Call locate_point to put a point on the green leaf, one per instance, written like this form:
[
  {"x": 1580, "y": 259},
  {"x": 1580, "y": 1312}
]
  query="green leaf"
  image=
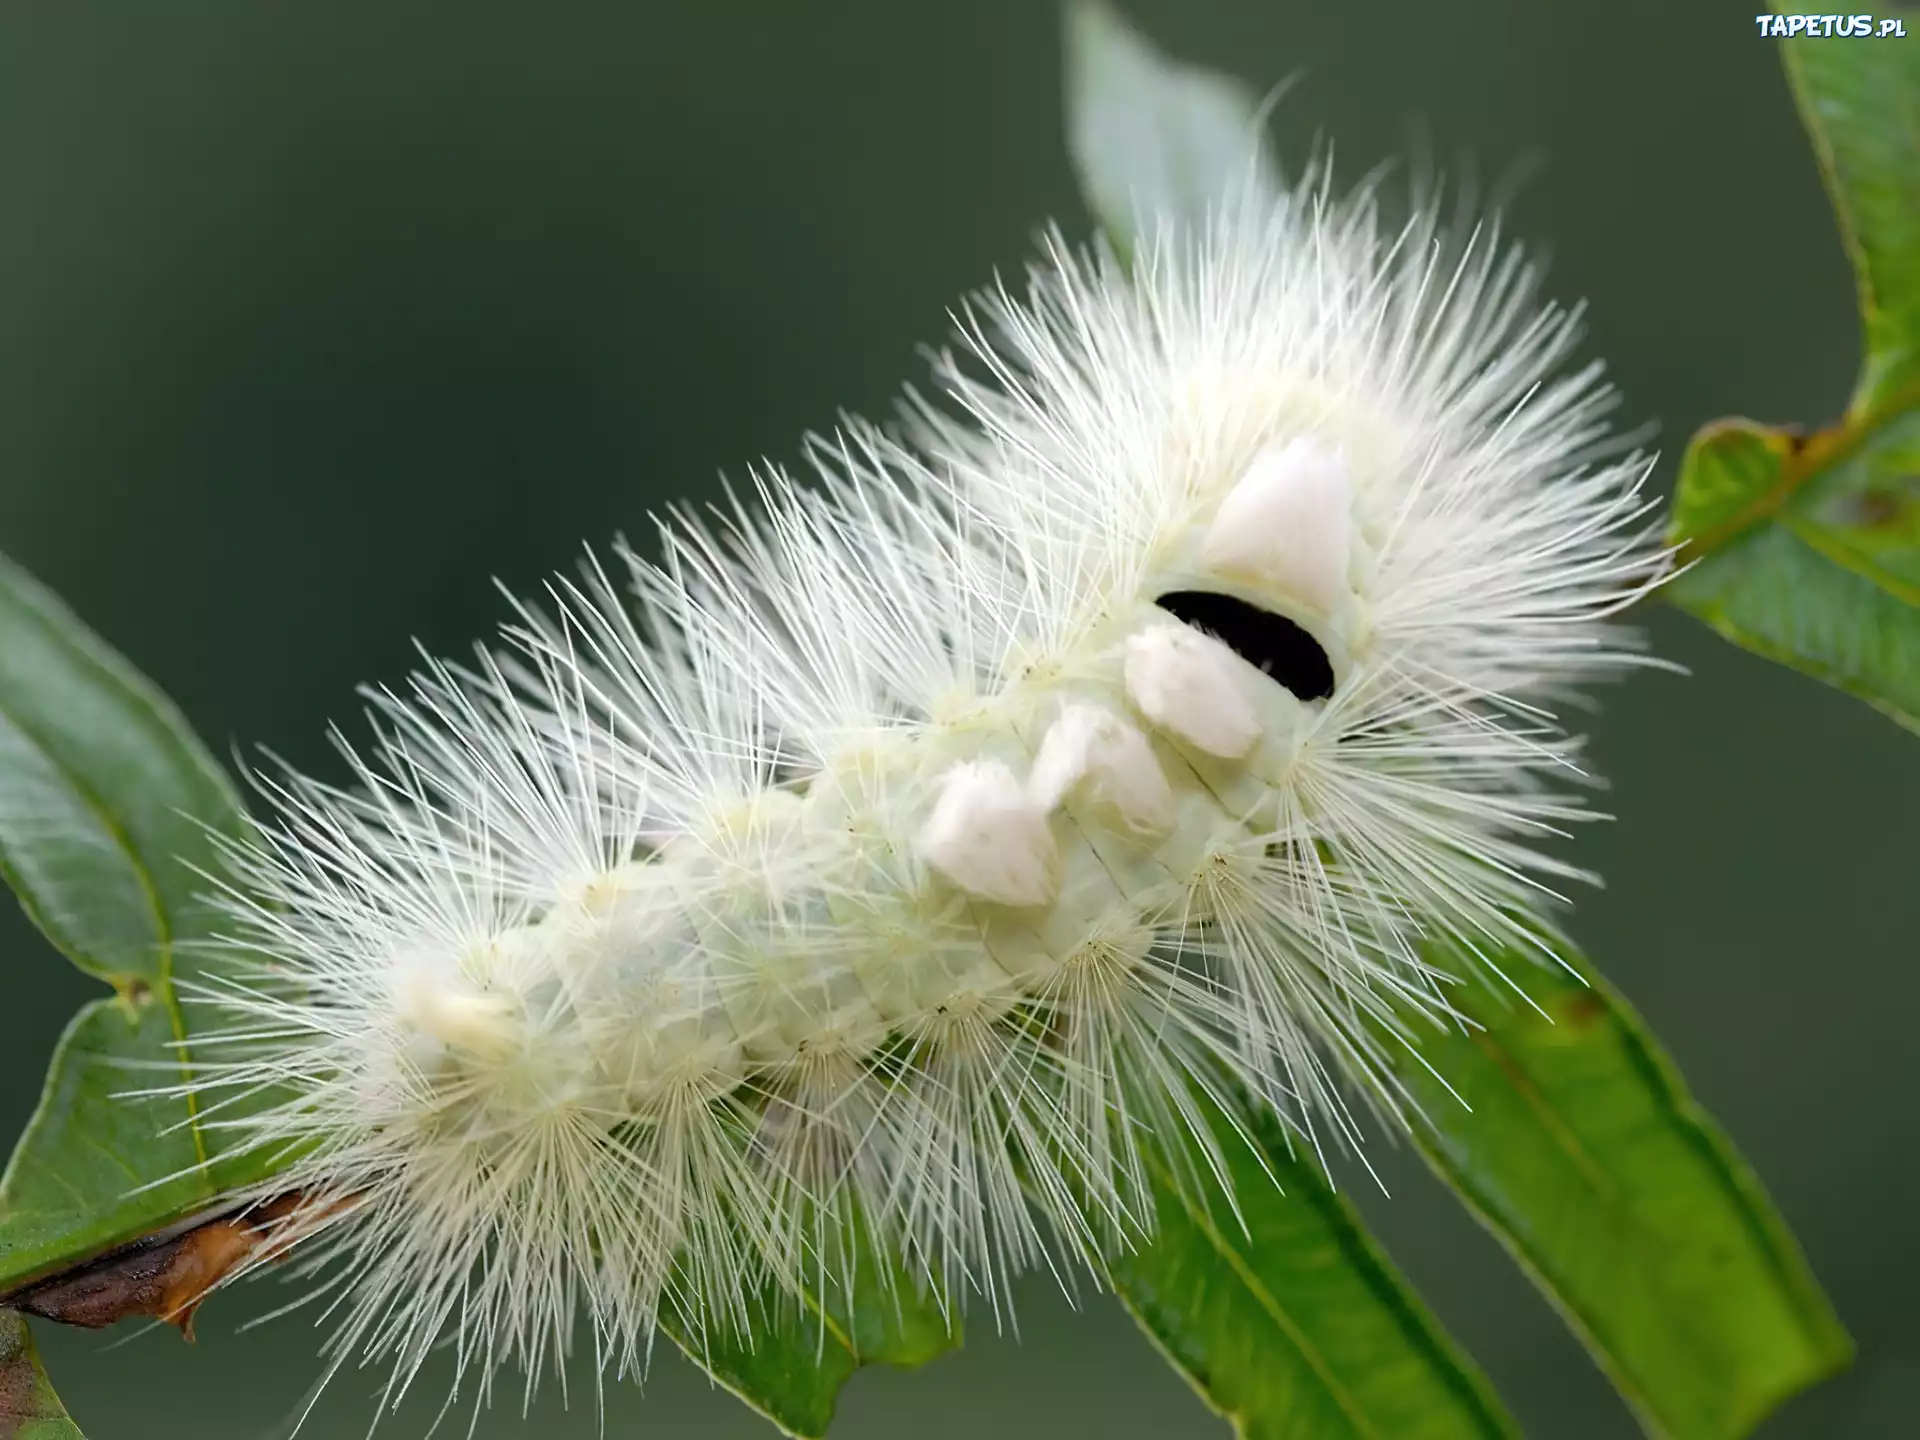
[
  {"x": 106, "y": 801},
  {"x": 76, "y": 1182},
  {"x": 1584, "y": 1154},
  {"x": 29, "y": 1410},
  {"x": 1151, "y": 136},
  {"x": 1281, "y": 1311},
  {"x": 791, "y": 1375},
  {"x": 1806, "y": 549},
  {"x": 1861, "y": 107},
  {"x": 802, "y": 1349}
]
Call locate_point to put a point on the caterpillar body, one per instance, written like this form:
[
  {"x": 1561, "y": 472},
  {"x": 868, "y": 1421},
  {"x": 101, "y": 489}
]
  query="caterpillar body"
[{"x": 906, "y": 846}]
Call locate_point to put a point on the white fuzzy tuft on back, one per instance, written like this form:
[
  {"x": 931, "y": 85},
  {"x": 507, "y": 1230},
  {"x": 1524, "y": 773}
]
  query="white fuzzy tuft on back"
[
  {"x": 1090, "y": 750},
  {"x": 1288, "y": 523},
  {"x": 1190, "y": 685},
  {"x": 990, "y": 837},
  {"x": 893, "y": 847}
]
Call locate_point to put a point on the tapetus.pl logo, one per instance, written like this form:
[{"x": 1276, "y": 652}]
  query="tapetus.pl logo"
[{"x": 1862, "y": 27}]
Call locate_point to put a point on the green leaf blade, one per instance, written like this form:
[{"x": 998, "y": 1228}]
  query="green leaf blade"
[
  {"x": 1807, "y": 551},
  {"x": 803, "y": 1348},
  {"x": 791, "y": 1374},
  {"x": 97, "y": 1168},
  {"x": 29, "y": 1410},
  {"x": 1586, "y": 1157},
  {"x": 1150, "y": 136},
  {"x": 1281, "y": 1311},
  {"x": 1861, "y": 105},
  {"x": 108, "y": 798},
  {"x": 109, "y": 806}
]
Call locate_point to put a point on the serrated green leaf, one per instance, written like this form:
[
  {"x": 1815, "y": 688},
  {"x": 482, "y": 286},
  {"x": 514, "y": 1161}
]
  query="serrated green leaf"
[
  {"x": 1281, "y": 1311},
  {"x": 803, "y": 1348},
  {"x": 106, "y": 806},
  {"x": 1584, "y": 1154},
  {"x": 1807, "y": 549},
  {"x": 1150, "y": 136},
  {"x": 29, "y": 1410}
]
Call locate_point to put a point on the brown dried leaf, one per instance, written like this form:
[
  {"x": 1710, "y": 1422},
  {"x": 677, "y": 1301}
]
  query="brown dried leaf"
[{"x": 166, "y": 1277}]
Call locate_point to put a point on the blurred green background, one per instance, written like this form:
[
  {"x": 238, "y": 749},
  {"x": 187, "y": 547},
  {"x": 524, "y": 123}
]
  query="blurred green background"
[{"x": 315, "y": 317}]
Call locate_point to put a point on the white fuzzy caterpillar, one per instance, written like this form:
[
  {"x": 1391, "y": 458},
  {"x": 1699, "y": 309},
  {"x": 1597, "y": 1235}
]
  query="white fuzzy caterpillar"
[{"x": 904, "y": 841}]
